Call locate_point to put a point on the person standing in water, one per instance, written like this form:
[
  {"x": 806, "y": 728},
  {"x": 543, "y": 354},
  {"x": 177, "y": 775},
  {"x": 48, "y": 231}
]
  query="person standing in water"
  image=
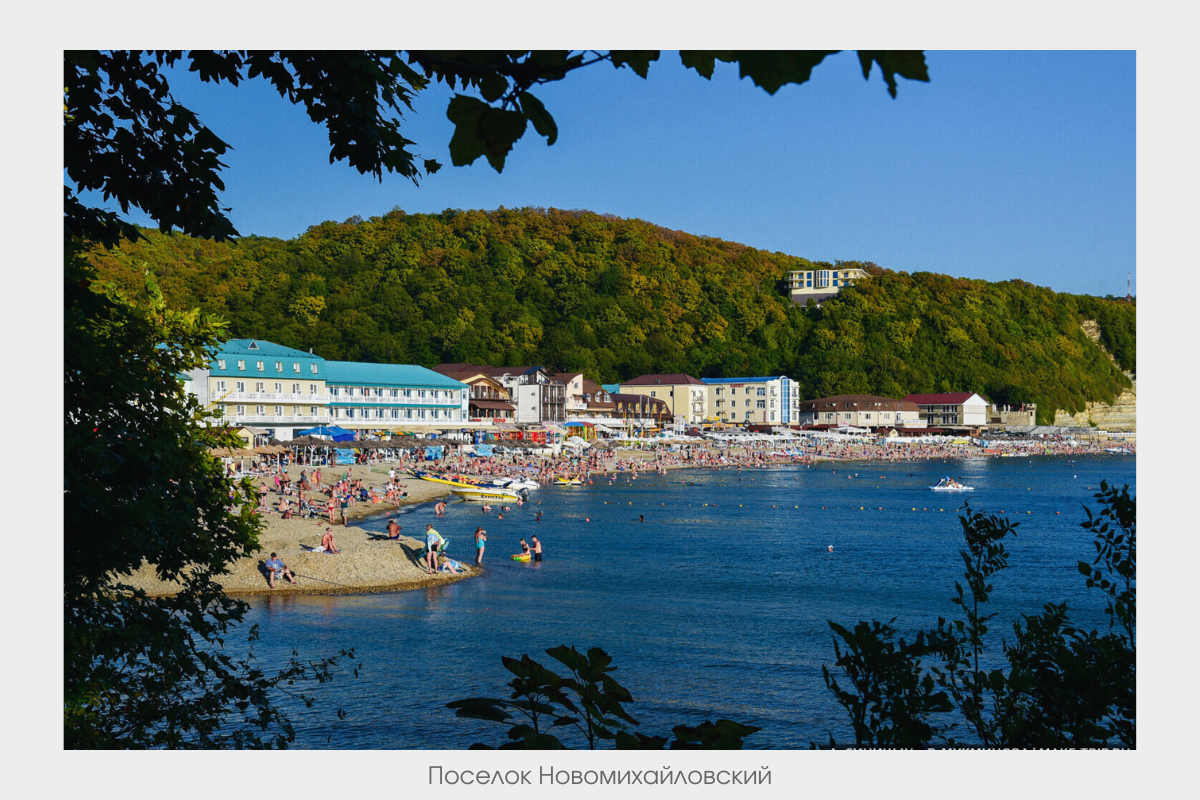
[
  {"x": 480, "y": 543},
  {"x": 537, "y": 548}
]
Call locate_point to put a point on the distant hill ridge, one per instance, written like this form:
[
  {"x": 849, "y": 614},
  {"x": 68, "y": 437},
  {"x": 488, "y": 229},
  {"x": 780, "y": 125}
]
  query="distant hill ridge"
[{"x": 615, "y": 298}]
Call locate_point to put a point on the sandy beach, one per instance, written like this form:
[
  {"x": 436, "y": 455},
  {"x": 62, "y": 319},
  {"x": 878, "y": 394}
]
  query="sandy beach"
[{"x": 364, "y": 565}]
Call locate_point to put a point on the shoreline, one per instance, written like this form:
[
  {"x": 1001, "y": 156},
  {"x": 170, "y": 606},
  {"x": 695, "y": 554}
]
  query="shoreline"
[{"x": 371, "y": 565}]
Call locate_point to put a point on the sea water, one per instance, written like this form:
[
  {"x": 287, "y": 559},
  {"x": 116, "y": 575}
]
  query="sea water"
[{"x": 716, "y": 606}]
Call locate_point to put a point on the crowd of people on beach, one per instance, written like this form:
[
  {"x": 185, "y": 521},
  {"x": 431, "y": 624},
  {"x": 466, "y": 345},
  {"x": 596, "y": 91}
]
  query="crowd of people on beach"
[{"x": 335, "y": 496}]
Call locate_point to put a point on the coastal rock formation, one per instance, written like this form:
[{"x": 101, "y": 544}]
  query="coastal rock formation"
[{"x": 1120, "y": 415}]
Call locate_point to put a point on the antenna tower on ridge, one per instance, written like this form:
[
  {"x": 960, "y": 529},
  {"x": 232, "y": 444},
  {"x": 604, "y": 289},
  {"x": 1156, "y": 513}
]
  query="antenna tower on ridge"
[{"x": 1128, "y": 287}]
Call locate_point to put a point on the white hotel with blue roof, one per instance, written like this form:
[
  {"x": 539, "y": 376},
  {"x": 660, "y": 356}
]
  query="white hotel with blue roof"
[
  {"x": 259, "y": 383},
  {"x": 753, "y": 401}
]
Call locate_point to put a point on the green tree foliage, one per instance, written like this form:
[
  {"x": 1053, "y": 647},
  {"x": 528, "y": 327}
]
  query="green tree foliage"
[
  {"x": 614, "y": 298},
  {"x": 591, "y": 703},
  {"x": 140, "y": 485},
  {"x": 1062, "y": 686}
]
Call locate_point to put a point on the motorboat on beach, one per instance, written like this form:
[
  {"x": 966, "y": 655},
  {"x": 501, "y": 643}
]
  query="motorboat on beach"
[
  {"x": 948, "y": 484},
  {"x": 567, "y": 482}
]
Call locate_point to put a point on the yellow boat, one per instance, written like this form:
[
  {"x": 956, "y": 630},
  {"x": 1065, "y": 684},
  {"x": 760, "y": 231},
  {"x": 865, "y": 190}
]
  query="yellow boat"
[{"x": 426, "y": 476}]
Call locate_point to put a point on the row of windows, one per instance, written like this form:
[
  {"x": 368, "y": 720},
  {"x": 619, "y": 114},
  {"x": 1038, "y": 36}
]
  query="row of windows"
[
  {"x": 866, "y": 415},
  {"x": 757, "y": 403},
  {"x": 260, "y": 386},
  {"x": 749, "y": 414},
  {"x": 375, "y": 391},
  {"x": 262, "y": 367},
  {"x": 761, "y": 391}
]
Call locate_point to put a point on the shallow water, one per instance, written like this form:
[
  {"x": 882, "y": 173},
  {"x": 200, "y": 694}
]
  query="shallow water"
[{"x": 716, "y": 606}]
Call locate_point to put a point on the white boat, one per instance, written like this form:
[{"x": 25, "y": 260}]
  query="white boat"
[
  {"x": 947, "y": 485},
  {"x": 517, "y": 483},
  {"x": 486, "y": 493}
]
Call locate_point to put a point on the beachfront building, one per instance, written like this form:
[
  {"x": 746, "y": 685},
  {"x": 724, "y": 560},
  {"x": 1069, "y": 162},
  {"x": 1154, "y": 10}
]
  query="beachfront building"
[
  {"x": 598, "y": 400},
  {"x": 686, "y": 397},
  {"x": 536, "y": 392},
  {"x": 387, "y": 396},
  {"x": 489, "y": 401},
  {"x": 860, "y": 411},
  {"x": 576, "y": 405},
  {"x": 821, "y": 284},
  {"x": 753, "y": 401},
  {"x": 955, "y": 409},
  {"x": 256, "y": 382},
  {"x": 636, "y": 409}
]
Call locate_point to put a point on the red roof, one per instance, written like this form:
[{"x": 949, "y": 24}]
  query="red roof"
[
  {"x": 949, "y": 399},
  {"x": 672, "y": 378}
]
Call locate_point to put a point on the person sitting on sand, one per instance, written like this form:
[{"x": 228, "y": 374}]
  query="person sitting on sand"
[
  {"x": 275, "y": 565},
  {"x": 393, "y": 530},
  {"x": 449, "y": 565},
  {"x": 327, "y": 543}
]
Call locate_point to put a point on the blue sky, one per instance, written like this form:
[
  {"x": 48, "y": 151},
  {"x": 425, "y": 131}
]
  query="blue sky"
[{"x": 1006, "y": 165}]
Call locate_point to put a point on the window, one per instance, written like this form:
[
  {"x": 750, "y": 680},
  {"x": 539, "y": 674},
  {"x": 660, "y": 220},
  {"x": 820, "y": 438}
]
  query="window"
[
  {"x": 314, "y": 367},
  {"x": 421, "y": 393},
  {"x": 220, "y": 363},
  {"x": 334, "y": 391},
  {"x": 258, "y": 386},
  {"x": 835, "y": 281},
  {"x": 312, "y": 411},
  {"x": 652, "y": 394},
  {"x": 829, "y": 416},
  {"x": 279, "y": 366},
  {"x": 395, "y": 413},
  {"x": 809, "y": 284},
  {"x": 259, "y": 365},
  {"x": 421, "y": 413},
  {"x": 258, "y": 411},
  {"x": 241, "y": 386},
  {"x": 762, "y": 392},
  {"x": 241, "y": 365},
  {"x": 395, "y": 392},
  {"x": 350, "y": 412},
  {"x": 760, "y": 404},
  {"x": 435, "y": 413},
  {"x": 241, "y": 411},
  {"x": 866, "y": 416},
  {"x": 312, "y": 388},
  {"x": 772, "y": 416},
  {"x": 408, "y": 393},
  {"x": 279, "y": 388},
  {"x": 295, "y": 366},
  {"x": 719, "y": 391},
  {"x": 279, "y": 411},
  {"x": 220, "y": 386},
  {"x": 747, "y": 404},
  {"x": 408, "y": 413},
  {"x": 295, "y": 388}
]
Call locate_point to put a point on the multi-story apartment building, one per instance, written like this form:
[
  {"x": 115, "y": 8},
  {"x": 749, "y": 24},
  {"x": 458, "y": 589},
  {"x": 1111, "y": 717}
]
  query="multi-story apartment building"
[
  {"x": 489, "y": 399},
  {"x": 821, "y": 284},
  {"x": 254, "y": 382},
  {"x": 860, "y": 411},
  {"x": 536, "y": 391},
  {"x": 686, "y": 397},
  {"x": 958, "y": 409},
  {"x": 379, "y": 396},
  {"x": 753, "y": 401}
]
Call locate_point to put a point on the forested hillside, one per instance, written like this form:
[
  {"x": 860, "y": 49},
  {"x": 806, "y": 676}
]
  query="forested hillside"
[{"x": 615, "y": 298}]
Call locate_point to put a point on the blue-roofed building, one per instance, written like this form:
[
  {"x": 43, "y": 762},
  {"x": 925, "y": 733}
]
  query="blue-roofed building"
[
  {"x": 753, "y": 401},
  {"x": 383, "y": 396},
  {"x": 256, "y": 382}
]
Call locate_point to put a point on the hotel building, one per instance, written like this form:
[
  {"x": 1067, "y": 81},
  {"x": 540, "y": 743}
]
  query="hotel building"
[
  {"x": 686, "y": 397},
  {"x": 821, "y": 284},
  {"x": 753, "y": 401},
  {"x": 382, "y": 396}
]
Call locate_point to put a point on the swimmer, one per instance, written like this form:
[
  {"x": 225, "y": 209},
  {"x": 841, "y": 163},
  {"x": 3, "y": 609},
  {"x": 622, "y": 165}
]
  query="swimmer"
[{"x": 831, "y": 548}]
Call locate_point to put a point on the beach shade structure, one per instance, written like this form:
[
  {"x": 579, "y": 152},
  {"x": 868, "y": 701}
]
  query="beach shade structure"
[
  {"x": 575, "y": 441},
  {"x": 320, "y": 430}
]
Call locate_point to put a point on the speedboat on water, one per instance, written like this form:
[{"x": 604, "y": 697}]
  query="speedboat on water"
[
  {"x": 517, "y": 483},
  {"x": 950, "y": 485}
]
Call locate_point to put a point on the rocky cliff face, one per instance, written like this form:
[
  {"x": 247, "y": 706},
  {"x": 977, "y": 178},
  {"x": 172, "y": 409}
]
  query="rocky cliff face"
[{"x": 1120, "y": 415}]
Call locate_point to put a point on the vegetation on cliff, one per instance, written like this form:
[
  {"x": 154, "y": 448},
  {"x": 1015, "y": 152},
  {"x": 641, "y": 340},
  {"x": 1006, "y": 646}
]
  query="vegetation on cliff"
[{"x": 614, "y": 298}]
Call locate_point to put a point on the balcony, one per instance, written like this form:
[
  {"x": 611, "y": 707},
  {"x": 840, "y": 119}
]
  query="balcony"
[
  {"x": 359, "y": 399},
  {"x": 260, "y": 398}
]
